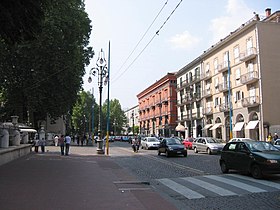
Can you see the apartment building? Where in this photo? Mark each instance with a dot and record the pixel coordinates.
(231, 89)
(132, 117)
(189, 95)
(158, 107)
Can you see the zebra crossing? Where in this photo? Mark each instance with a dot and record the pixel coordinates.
(217, 185)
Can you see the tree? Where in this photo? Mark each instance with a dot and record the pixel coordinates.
(43, 76)
(82, 113)
(117, 116)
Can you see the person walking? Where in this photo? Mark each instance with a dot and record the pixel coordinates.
(42, 144)
(36, 145)
(56, 140)
(61, 144)
(67, 144)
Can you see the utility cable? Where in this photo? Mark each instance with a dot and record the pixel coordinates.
(157, 33)
(142, 38)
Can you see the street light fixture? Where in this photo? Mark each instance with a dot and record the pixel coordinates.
(101, 71)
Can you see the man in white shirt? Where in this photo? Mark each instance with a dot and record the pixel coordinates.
(67, 144)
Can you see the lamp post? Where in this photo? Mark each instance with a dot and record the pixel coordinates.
(101, 71)
(132, 116)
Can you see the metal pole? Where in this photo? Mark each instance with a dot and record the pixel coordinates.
(229, 100)
(108, 104)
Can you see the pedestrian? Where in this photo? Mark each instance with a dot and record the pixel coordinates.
(42, 144)
(61, 144)
(67, 144)
(275, 137)
(56, 140)
(36, 145)
(269, 138)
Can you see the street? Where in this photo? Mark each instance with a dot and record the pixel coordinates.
(128, 180)
(196, 182)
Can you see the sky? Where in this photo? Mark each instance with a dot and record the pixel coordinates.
(150, 38)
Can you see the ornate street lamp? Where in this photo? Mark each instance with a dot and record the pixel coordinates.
(101, 71)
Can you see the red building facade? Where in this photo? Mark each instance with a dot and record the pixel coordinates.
(158, 107)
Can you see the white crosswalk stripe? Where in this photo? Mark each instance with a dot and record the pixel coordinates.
(234, 183)
(188, 193)
(218, 185)
(211, 187)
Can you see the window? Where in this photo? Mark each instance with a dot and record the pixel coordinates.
(236, 54)
(217, 101)
(207, 68)
(216, 65)
(226, 56)
(238, 96)
(237, 76)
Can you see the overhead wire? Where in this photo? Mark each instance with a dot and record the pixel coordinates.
(141, 38)
(157, 33)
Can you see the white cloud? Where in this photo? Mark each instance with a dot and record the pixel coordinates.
(184, 40)
(237, 13)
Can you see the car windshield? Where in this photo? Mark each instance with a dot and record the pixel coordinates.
(260, 146)
(172, 141)
(152, 140)
(213, 140)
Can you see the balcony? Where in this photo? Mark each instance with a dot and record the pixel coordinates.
(223, 67)
(207, 111)
(224, 107)
(222, 87)
(207, 93)
(207, 75)
(248, 54)
(251, 101)
(181, 85)
(249, 77)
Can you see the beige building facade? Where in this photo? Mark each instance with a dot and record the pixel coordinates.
(234, 85)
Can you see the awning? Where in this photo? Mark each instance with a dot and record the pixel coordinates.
(238, 126)
(207, 126)
(252, 124)
(215, 126)
(28, 130)
(180, 127)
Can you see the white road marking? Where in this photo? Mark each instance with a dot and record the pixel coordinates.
(188, 193)
(213, 188)
(236, 184)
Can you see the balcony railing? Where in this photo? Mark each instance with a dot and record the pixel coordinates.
(250, 101)
(207, 111)
(223, 67)
(248, 54)
(206, 75)
(223, 87)
(249, 77)
(207, 93)
(224, 107)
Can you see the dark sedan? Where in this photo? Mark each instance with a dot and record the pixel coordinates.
(172, 146)
(255, 157)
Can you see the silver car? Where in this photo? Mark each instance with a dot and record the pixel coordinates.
(150, 143)
(208, 144)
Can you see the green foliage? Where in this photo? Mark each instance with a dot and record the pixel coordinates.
(43, 76)
(82, 113)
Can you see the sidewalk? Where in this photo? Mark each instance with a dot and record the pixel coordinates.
(83, 180)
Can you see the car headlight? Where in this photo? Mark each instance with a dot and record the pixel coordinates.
(272, 161)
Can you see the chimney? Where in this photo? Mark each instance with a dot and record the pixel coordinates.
(268, 12)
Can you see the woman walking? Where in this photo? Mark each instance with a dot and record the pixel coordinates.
(61, 144)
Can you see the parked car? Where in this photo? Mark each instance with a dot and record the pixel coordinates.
(172, 146)
(277, 143)
(255, 157)
(149, 143)
(241, 139)
(208, 144)
(188, 142)
(111, 139)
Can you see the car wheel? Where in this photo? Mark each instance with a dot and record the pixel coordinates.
(195, 150)
(209, 151)
(158, 152)
(224, 168)
(256, 171)
(147, 148)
